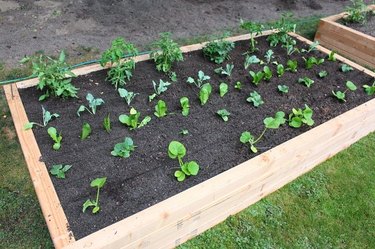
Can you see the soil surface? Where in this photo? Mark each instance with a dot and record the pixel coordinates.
(29, 26)
(368, 27)
(146, 178)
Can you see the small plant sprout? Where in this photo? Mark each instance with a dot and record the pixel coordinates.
(306, 81)
(322, 74)
(313, 46)
(227, 71)
(255, 98)
(283, 26)
(93, 104)
(132, 120)
(86, 131)
(253, 59)
(184, 132)
(283, 88)
(123, 149)
(224, 114)
(269, 123)
(161, 109)
(238, 85)
(332, 56)
(269, 56)
(350, 86)
(52, 132)
(218, 51)
(204, 93)
(96, 183)
(346, 68)
(107, 123)
(280, 70)
(223, 89)
(311, 61)
(202, 78)
(47, 117)
(267, 73)
(185, 106)
(370, 90)
(356, 12)
(59, 170)
(127, 96)
(292, 66)
(158, 89)
(298, 117)
(256, 77)
(177, 150)
(253, 29)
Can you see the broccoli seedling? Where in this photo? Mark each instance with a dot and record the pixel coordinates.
(331, 56)
(93, 104)
(370, 90)
(96, 183)
(280, 70)
(322, 74)
(255, 98)
(86, 131)
(202, 78)
(204, 93)
(253, 29)
(283, 88)
(346, 68)
(298, 117)
(253, 59)
(306, 81)
(238, 85)
(161, 109)
(311, 61)
(223, 89)
(52, 132)
(218, 51)
(224, 114)
(47, 117)
(107, 123)
(123, 149)
(292, 66)
(158, 89)
(127, 96)
(269, 56)
(59, 170)
(267, 73)
(185, 105)
(341, 95)
(225, 71)
(132, 120)
(177, 150)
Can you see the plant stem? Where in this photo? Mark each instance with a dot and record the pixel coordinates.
(261, 135)
(97, 197)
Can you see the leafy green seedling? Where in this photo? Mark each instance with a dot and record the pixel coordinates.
(313, 46)
(185, 105)
(132, 120)
(121, 73)
(346, 68)
(225, 71)
(292, 66)
(255, 98)
(52, 132)
(59, 170)
(370, 90)
(96, 183)
(306, 81)
(202, 78)
(356, 13)
(280, 70)
(204, 93)
(127, 96)
(177, 150)
(184, 132)
(107, 123)
(123, 149)
(238, 85)
(253, 59)
(269, 56)
(283, 26)
(298, 117)
(341, 95)
(47, 117)
(223, 89)
(224, 114)
(290, 48)
(267, 73)
(322, 74)
(86, 131)
(253, 29)
(161, 109)
(283, 88)
(256, 77)
(218, 51)
(311, 61)
(93, 104)
(332, 56)
(158, 89)
(269, 123)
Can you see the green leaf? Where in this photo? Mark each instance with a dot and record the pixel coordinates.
(95, 209)
(98, 182)
(176, 150)
(323, 74)
(87, 204)
(283, 88)
(160, 109)
(346, 68)
(253, 149)
(62, 56)
(193, 168)
(295, 122)
(246, 137)
(223, 89)
(351, 86)
(145, 121)
(205, 93)
(107, 123)
(339, 95)
(28, 125)
(224, 114)
(80, 109)
(179, 175)
(86, 131)
(184, 101)
(274, 123)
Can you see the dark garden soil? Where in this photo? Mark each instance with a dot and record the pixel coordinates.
(146, 178)
(368, 27)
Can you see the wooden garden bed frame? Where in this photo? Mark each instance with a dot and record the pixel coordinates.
(346, 41)
(181, 217)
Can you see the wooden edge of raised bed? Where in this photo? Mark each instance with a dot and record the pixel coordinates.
(181, 217)
(349, 42)
(52, 210)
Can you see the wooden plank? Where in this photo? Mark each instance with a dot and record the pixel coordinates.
(49, 202)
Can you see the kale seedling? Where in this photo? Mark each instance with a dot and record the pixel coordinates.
(225, 71)
(162, 87)
(86, 131)
(306, 81)
(127, 96)
(311, 61)
(204, 93)
(177, 150)
(269, 56)
(341, 95)
(223, 89)
(202, 78)
(283, 88)
(52, 132)
(107, 123)
(313, 46)
(298, 117)
(96, 183)
(123, 149)
(255, 98)
(346, 68)
(238, 85)
(267, 73)
(224, 114)
(253, 29)
(131, 120)
(292, 66)
(59, 170)
(331, 56)
(218, 51)
(161, 109)
(93, 104)
(322, 74)
(47, 117)
(253, 59)
(185, 105)
(280, 70)
(269, 123)
(370, 90)
(256, 77)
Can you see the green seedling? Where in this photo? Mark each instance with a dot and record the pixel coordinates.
(306, 81)
(290, 47)
(292, 66)
(224, 114)
(267, 73)
(59, 170)
(269, 123)
(185, 105)
(132, 120)
(218, 51)
(253, 29)
(269, 56)
(356, 13)
(223, 89)
(350, 86)
(166, 54)
(204, 93)
(93, 104)
(280, 70)
(123, 149)
(86, 131)
(96, 183)
(298, 117)
(370, 90)
(184, 132)
(322, 74)
(346, 68)
(127, 96)
(121, 73)
(52, 132)
(283, 88)
(158, 89)
(107, 123)
(161, 109)
(177, 150)
(225, 71)
(47, 117)
(255, 98)
(256, 77)
(238, 85)
(283, 26)
(253, 59)
(202, 78)
(311, 61)
(332, 56)
(313, 46)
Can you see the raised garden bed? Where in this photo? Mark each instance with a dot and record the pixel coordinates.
(142, 203)
(347, 41)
